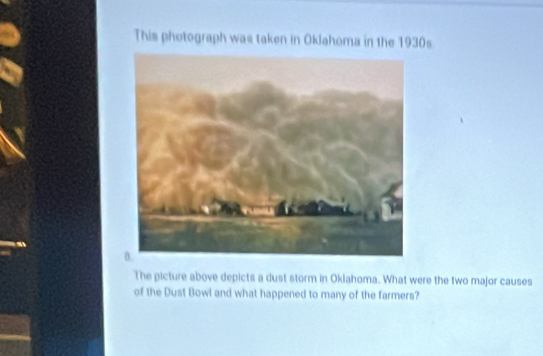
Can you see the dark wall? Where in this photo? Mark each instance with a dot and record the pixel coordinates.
(63, 154)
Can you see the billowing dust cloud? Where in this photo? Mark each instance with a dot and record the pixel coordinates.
(262, 145)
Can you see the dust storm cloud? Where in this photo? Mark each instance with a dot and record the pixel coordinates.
(263, 143)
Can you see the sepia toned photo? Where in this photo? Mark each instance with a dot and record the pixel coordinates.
(269, 155)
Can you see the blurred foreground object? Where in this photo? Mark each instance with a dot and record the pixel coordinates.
(11, 72)
(6, 247)
(15, 335)
(10, 153)
(9, 35)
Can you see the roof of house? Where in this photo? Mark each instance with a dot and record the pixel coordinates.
(395, 190)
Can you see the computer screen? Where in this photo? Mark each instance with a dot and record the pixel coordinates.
(321, 177)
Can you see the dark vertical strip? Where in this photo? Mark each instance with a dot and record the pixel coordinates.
(16, 272)
(63, 153)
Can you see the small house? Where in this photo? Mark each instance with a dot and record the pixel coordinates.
(258, 210)
(392, 203)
